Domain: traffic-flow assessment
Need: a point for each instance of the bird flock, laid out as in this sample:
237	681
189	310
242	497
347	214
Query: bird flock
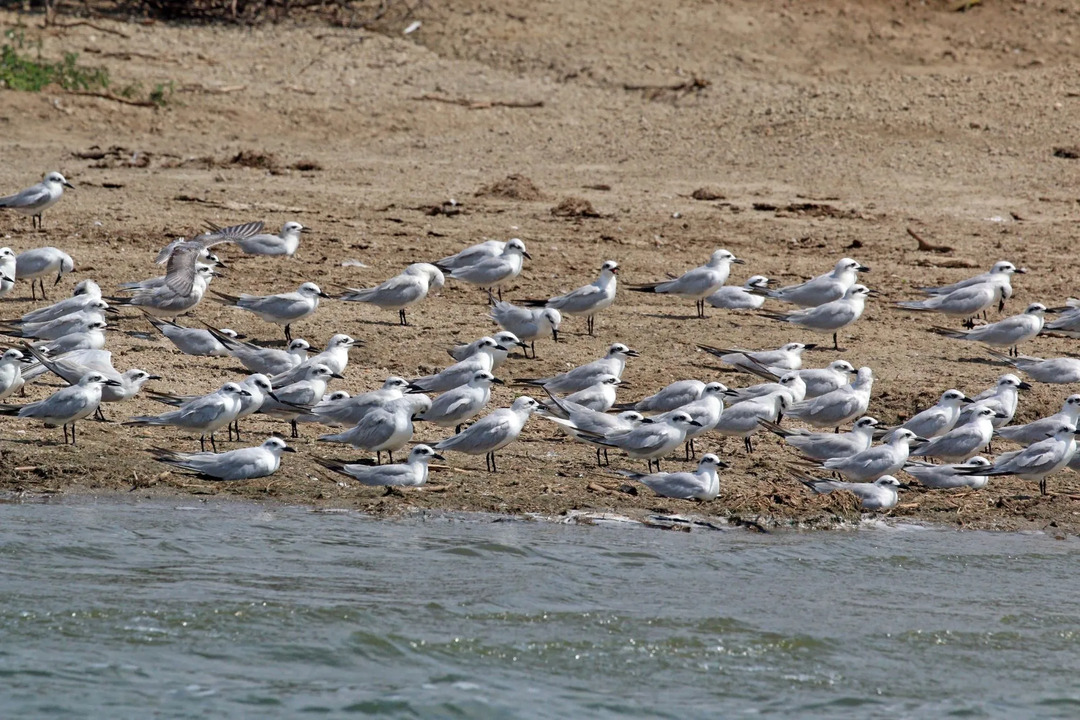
940	447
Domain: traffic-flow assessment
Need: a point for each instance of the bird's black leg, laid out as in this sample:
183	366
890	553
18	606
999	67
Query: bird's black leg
598	457
532	345
236	424
33	289
288	333
749	445
693	450
378	457
835	342
457	430
401	316
213	443
686	450
295	429
1042	486
390	454
65	434
72	433
202	443
43	295
98	415
606	461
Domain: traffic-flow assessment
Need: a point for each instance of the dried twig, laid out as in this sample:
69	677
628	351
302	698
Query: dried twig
481	104
87	23
114	98
927	247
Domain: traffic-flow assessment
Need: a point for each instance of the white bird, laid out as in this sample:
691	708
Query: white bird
492	432
1042	428
1000	274
65	406
184	263
331	399
1067	324
11	380
162	300
830	317
876	461
193	341
258	388
92	337
455	406
588	299
838	406
284	243
652	441
744	419
733	297
702	484
504	338
281	309
460	372
967	301
473	255
412	473
242	464
268	361
1038	461
351	410
790	384
290	401
818	381
786	357
198	247
961	442
53	329
205	414
87	295
670	397
386	428
938	419
699	283
335	357
401	291
1062	370
7	270
1003	399
822	289
493	272
599	396
587	425
706	410
37	263
588	374
943	477
878	495
73	366
36	199
528	324
824	446
1009	332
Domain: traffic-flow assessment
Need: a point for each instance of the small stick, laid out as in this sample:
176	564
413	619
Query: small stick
927	247
114	98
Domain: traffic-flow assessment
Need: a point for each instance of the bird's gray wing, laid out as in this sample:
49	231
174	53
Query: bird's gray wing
180	270
30	197
478	437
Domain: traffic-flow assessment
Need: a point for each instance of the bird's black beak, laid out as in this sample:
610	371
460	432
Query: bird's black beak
633	353
506	349
153	377
339	376
526	254
1000	416
437	456
273	396
5	278
497	381
650	420
288	449
862	268
738	261
904	486
305	229
966	400
323	295
1022	271
1024	385
809	346
554	334
695	423
113	383
722	465
67	184
245	393
112	311
413	388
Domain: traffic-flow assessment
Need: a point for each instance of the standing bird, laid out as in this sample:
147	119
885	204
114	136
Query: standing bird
387	428
400	291
818	381
825	446
206	414
746	418
36	199
284	243
706	410
747	297
1007	333
878	495
588	425
937	419
830	317
411	473
1062	370
493	272
599	396
528	324
39	262
268	361
11	380
351	410
823	288
967	301
193	341
335	357
503	338
73	366
461	372
163	299
702	484
282	309
670	397
473	254
65	406
288	402
242	464
651	441
943	477
1035	462
588	374
1003	399
1042	428
838	406
454	407
699	283
492	432
588	299
786	357
872	463
1000	274
963	442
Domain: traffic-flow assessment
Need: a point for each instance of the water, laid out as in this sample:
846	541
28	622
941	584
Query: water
117	609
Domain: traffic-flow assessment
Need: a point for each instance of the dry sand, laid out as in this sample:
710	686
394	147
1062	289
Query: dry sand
821	129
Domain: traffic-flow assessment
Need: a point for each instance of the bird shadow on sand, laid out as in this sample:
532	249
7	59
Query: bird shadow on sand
982	361
669	316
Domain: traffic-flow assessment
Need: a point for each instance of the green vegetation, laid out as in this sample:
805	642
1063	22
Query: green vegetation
20	71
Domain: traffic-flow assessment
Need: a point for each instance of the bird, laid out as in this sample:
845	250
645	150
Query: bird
1007	333
1061	370
822	289
387	428
503	338
790	384
161	300
876	461
258	388
830	317
653	440
206	414
7	270
87	295
786	357
699	283
411	473
335	357
599	396
967	301
285	242
1003	399
492	432
838	406
67	405
193	341
706	410
1036	462
528	324
73	366
943	477
36	199
962	442
670	397
241	464
455	406
702	484
937	419
401	291
1000	274
878	495
290	401
744	419
1043	428
493	272
35	264
258	359
11	380
1067	324
587	425
351	410
461	372
473	255
199	246
588	299
90	337
53	329
585	375
281	309
818	381
330	399
733	297
823	446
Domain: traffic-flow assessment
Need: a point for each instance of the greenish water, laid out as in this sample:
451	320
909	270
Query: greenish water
113	609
